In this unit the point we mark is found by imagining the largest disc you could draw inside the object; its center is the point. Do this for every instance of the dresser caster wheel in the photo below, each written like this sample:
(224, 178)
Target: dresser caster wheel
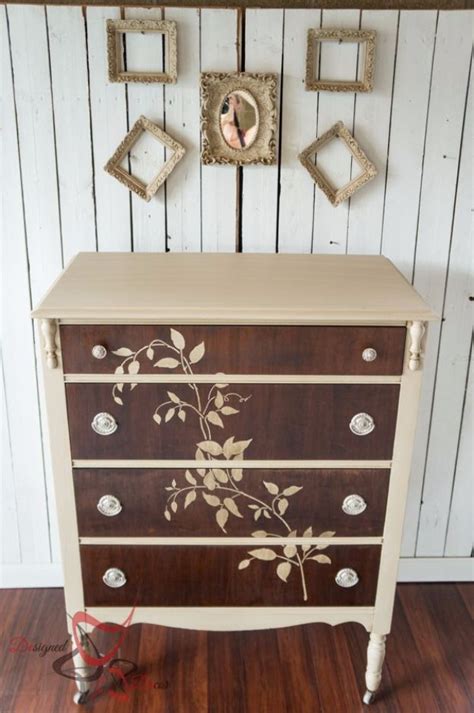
(368, 697)
(80, 698)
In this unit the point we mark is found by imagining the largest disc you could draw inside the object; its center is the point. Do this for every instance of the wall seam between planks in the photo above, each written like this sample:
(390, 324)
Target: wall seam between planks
(428, 105)
(280, 134)
(354, 134)
(54, 134)
(389, 137)
(461, 424)
(440, 339)
(313, 223)
(89, 105)
(127, 115)
(239, 171)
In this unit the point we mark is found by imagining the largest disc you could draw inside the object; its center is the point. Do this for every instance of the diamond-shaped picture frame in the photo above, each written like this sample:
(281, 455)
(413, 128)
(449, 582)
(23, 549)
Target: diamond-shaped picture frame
(365, 38)
(337, 195)
(145, 191)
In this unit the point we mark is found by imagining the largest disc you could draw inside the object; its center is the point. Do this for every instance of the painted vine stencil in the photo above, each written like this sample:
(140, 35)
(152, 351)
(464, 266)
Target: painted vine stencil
(221, 488)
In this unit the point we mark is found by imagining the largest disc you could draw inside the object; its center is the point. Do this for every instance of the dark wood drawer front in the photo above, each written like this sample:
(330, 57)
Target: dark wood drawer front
(304, 498)
(283, 421)
(236, 349)
(197, 575)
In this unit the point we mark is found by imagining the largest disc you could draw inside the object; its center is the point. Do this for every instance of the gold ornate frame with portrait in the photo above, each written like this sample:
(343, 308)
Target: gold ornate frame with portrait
(216, 87)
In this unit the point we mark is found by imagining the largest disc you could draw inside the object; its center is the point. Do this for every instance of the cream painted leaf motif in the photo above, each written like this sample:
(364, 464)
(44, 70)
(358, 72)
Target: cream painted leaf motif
(282, 506)
(190, 498)
(271, 487)
(197, 353)
(169, 415)
(214, 418)
(292, 490)
(237, 474)
(150, 353)
(167, 363)
(220, 475)
(182, 415)
(209, 481)
(177, 339)
(219, 400)
(173, 397)
(212, 500)
(283, 570)
(123, 352)
(263, 554)
(190, 477)
(211, 447)
(232, 507)
(322, 559)
(229, 410)
(157, 418)
(134, 367)
(221, 518)
(244, 564)
(328, 533)
(289, 550)
(259, 533)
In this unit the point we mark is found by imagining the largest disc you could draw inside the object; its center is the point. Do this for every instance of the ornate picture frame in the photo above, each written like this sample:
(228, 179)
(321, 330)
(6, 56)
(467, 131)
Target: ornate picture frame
(338, 195)
(117, 72)
(362, 37)
(145, 191)
(216, 88)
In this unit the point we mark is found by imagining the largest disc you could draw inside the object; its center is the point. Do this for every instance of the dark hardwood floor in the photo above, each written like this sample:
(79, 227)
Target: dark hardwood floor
(310, 669)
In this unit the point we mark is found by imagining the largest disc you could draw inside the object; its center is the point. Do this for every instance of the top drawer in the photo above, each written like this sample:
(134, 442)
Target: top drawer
(234, 349)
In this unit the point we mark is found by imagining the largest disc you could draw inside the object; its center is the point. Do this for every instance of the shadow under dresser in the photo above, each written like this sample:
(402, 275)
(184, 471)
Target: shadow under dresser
(231, 438)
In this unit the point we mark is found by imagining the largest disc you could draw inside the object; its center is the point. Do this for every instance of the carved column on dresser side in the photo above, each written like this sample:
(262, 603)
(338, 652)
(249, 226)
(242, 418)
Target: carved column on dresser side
(83, 672)
(416, 331)
(49, 329)
(375, 659)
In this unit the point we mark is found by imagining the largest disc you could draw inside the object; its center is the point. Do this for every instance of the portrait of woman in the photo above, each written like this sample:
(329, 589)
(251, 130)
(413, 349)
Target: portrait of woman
(239, 119)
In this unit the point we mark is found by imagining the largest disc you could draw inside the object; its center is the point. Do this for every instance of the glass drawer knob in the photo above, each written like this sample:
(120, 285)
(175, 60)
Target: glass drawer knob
(104, 424)
(362, 424)
(114, 578)
(347, 578)
(354, 504)
(109, 505)
(99, 351)
(369, 354)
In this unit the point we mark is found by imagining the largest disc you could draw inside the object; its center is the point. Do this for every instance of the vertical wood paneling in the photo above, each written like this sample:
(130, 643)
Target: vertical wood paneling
(68, 55)
(148, 219)
(25, 465)
(330, 224)
(183, 187)
(109, 126)
(461, 521)
(298, 129)
(218, 183)
(58, 200)
(443, 141)
(36, 130)
(10, 551)
(405, 156)
(371, 130)
(263, 53)
(452, 368)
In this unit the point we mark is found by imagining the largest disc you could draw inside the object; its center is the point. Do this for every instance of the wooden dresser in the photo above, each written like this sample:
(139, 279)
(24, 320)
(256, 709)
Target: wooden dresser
(231, 437)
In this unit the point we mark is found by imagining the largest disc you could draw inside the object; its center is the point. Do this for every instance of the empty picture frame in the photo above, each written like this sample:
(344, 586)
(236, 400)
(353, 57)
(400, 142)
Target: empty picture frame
(145, 191)
(238, 118)
(338, 195)
(365, 38)
(116, 29)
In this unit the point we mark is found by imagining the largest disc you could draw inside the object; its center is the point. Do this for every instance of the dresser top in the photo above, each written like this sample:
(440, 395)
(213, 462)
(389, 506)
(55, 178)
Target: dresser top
(232, 288)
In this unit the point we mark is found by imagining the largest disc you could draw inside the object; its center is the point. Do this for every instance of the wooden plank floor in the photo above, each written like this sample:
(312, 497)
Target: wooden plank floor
(311, 669)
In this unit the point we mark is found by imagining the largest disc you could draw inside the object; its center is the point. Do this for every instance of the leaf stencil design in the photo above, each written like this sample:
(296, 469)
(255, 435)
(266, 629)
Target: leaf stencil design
(221, 487)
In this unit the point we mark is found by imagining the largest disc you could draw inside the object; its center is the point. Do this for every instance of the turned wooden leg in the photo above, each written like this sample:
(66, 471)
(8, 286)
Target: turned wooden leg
(375, 657)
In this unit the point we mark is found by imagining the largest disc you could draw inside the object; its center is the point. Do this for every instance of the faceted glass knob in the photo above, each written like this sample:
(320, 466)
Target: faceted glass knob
(354, 504)
(104, 424)
(109, 505)
(362, 424)
(114, 578)
(347, 578)
(99, 351)
(369, 354)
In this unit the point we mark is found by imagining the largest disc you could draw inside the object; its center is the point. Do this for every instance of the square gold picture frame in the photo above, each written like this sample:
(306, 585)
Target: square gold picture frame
(145, 191)
(115, 31)
(338, 195)
(216, 87)
(362, 37)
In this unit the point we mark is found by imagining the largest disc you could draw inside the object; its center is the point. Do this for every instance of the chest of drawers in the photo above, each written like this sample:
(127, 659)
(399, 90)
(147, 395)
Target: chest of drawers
(231, 437)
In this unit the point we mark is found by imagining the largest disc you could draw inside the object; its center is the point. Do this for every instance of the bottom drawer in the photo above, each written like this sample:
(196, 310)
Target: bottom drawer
(229, 575)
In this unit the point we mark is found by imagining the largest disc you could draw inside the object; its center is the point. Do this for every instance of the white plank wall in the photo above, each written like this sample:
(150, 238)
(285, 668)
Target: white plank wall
(62, 120)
